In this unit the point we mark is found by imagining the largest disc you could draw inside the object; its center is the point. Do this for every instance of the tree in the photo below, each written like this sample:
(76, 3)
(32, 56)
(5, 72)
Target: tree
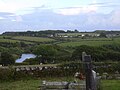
(76, 31)
(7, 59)
(77, 54)
(102, 34)
(46, 53)
(98, 53)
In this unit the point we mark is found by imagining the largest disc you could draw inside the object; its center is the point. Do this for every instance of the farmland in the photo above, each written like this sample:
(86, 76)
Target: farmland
(25, 39)
(90, 42)
(62, 38)
(85, 42)
(35, 39)
(8, 40)
(61, 41)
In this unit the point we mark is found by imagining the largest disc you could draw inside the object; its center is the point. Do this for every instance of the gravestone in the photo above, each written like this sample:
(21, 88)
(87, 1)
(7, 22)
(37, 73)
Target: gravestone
(90, 74)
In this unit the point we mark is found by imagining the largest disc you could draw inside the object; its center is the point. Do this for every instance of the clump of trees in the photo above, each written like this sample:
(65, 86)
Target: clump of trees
(58, 54)
(49, 54)
(45, 53)
(44, 33)
(7, 59)
(98, 53)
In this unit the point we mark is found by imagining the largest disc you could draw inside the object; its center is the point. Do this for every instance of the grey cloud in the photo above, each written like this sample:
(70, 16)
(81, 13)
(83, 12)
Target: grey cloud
(104, 3)
(69, 7)
(112, 5)
(47, 19)
(4, 14)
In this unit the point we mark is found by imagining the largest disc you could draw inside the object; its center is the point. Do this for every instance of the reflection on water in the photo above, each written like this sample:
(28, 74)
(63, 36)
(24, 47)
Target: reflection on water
(24, 57)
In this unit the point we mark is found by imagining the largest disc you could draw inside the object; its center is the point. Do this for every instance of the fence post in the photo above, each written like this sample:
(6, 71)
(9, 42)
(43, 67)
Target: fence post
(88, 71)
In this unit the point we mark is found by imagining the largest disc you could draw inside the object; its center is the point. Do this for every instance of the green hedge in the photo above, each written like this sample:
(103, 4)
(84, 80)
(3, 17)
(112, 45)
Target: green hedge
(64, 70)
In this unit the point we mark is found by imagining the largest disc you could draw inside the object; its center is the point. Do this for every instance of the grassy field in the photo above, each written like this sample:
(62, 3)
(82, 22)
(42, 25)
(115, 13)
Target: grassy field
(66, 41)
(35, 39)
(110, 85)
(28, 84)
(34, 84)
(91, 42)
(1, 37)
(25, 39)
(20, 85)
(2, 40)
(8, 40)
(88, 39)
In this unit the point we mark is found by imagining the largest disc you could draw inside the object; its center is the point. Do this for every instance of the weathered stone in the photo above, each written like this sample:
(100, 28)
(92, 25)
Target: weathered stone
(63, 85)
(17, 69)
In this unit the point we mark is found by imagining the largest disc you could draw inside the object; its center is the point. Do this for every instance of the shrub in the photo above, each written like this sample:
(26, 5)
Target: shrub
(101, 53)
(6, 74)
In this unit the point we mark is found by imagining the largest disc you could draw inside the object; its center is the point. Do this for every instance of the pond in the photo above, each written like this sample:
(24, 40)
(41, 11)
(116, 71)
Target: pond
(24, 57)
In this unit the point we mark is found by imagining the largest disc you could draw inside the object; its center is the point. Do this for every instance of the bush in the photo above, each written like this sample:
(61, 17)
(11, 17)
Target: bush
(101, 53)
(6, 74)
(7, 59)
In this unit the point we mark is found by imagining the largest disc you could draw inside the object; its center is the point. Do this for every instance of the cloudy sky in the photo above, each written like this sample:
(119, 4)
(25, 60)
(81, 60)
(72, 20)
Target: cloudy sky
(83, 15)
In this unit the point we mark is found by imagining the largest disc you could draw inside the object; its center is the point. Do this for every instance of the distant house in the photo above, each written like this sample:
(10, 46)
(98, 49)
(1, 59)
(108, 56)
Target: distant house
(80, 34)
(110, 34)
(65, 36)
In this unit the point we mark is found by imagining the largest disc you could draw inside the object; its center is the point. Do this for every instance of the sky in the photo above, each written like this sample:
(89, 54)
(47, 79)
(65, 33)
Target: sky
(83, 15)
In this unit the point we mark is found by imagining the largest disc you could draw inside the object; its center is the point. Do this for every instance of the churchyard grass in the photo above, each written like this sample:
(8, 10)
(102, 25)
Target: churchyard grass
(33, 84)
(110, 84)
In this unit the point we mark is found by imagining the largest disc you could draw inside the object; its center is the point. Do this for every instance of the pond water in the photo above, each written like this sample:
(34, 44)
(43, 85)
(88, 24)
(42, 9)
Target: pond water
(24, 57)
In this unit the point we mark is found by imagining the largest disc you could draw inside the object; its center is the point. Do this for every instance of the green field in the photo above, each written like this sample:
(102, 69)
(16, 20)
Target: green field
(88, 39)
(34, 84)
(1, 37)
(8, 40)
(91, 42)
(25, 39)
(35, 39)
(110, 84)
(13, 41)
(64, 42)
(20, 85)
